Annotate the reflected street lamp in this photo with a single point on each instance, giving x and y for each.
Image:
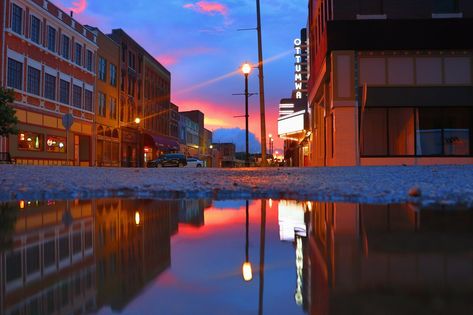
(246, 268)
(246, 69)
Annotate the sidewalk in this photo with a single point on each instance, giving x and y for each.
(439, 184)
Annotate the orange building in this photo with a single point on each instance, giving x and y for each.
(48, 60)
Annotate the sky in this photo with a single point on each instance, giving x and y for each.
(199, 42)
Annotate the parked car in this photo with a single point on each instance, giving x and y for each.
(165, 160)
(194, 162)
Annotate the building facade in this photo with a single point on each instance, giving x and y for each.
(188, 136)
(107, 128)
(48, 60)
(389, 84)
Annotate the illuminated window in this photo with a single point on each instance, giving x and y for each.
(30, 141)
(55, 144)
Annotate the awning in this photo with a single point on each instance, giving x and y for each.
(165, 143)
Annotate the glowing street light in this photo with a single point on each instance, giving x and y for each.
(247, 272)
(246, 268)
(137, 120)
(137, 218)
(246, 69)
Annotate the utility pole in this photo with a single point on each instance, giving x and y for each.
(261, 86)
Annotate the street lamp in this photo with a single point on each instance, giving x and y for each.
(140, 146)
(246, 69)
(246, 268)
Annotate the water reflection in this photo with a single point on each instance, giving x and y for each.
(147, 257)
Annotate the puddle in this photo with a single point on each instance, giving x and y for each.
(124, 256)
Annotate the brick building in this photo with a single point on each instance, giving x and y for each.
(48, 59)
(107, 128)
(390, 82)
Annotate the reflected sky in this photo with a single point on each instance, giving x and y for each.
(122, 256)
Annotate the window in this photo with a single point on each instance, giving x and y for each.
(444, 131)
(51, 38)
(49, 86)
(78, 54)
(76, 243)
(90, 60)
(17, 19)
(445, 6)
(55, 144)
(35, 29)
(88, 102)
(13, 266)
(33, 80)
(64, 90)
(30, 141)
(64, 248)
(113, 108)
(113, 75)
(122, 82)
(15, 74)
(102, 69)
(102, 104)
(65, 46)
(76, 96)
(32, 260)
(49, 254)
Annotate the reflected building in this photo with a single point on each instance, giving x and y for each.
(191, 211)
(75, 257)
(50, 267)
(366, 259)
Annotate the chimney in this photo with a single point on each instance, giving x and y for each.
(72, 13)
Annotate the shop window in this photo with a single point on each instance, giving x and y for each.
(445, 6)
(30, 141)
(444, 131)
(401, 131)
(374, 132)
(56, 144)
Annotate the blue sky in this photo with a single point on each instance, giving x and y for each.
(199, 42)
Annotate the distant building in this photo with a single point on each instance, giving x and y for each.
(223, 155)
(188, 136)
(390, 82)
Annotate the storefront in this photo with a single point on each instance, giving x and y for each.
(294, 130)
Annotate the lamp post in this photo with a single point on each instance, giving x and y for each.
(246, 268)
(261, 85)
(246, 69)
(140, 147)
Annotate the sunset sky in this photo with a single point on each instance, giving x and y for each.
(199, 42)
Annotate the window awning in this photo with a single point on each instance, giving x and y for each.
(165, 143)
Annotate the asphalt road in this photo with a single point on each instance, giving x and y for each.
(422, 184)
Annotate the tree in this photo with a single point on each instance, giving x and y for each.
(8, 120)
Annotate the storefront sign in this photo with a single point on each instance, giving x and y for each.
(300, 78)
(291, 123)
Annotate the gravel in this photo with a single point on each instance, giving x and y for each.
(421, 184)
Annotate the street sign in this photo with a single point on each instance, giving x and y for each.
(67, 121)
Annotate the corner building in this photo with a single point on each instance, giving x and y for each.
(48, 60)
(390, 82)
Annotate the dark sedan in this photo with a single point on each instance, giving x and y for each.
(167, 160)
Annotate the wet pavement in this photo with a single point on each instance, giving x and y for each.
(145, 256)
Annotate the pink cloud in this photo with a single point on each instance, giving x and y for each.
(77, 6)
(176, 55)
(208, 7)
